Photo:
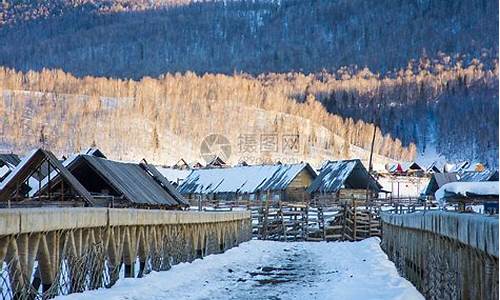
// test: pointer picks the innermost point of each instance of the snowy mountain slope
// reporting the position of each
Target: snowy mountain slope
(123, 133)
(431, 65)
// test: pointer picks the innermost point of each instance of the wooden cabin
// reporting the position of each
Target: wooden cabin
(181, 165)
(437, 181)
(196, 165)
(440, 179)
(120, 184)
(464, 194)
(413, 169)
(344, 180)
(216, 162)
(432, 168)
(20, 187)
(251, 183)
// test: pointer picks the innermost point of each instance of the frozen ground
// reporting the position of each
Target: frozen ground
(273, 270)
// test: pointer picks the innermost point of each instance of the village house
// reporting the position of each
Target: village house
(122, 184)
(466, 193)
(216, 162)
(18, 188)
(181, 164)
(440, 179)
(258, 182)
(432, 168)
(405, 169)
(344, 179)
(437, 181)
(413, 169)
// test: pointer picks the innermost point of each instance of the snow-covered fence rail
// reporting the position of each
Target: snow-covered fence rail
(445, 255)
(48, 252)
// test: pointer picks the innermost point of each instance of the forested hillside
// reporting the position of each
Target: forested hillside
(123, 38)
(425, 71)
(166, 119)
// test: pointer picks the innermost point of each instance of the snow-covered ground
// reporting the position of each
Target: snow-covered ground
(273, 270)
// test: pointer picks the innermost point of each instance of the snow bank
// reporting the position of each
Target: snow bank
(273, 270)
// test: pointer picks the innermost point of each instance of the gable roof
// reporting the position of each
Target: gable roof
(181, 164)
(413, 166)
(242, 179)
(438, 180)
(8, 162)
(29, 164)
(433, 168)
(243, 163)
(10, 159)
(454, 168)
(336, 175)
(94, 152)
(195, 165)
(139, 184)
(160, 179)
(216, 162)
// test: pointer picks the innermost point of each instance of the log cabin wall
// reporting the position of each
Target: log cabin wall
(296, 190)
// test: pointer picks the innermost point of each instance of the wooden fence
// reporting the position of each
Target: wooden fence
(445, 255)
(349, 219)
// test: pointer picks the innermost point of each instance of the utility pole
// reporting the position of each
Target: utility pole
(375, 122)
(370, 163)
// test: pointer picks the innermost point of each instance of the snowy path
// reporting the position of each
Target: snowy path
(273, 270)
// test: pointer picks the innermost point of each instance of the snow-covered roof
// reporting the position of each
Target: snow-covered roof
(433, 168)
(475, 166)
(4, 170)
(471, 176)
(343, 173)
(438, 180)
(466, 189)
(454, 168)
(407, 166)
(242, 179)
(94, 152)
(174, 175)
